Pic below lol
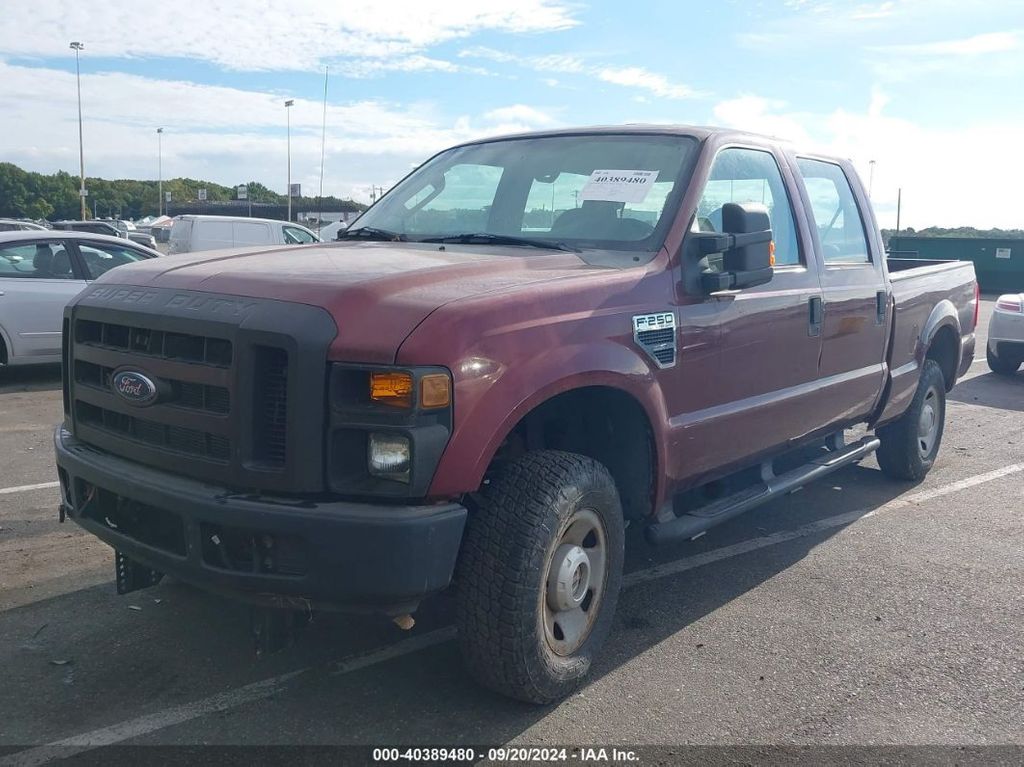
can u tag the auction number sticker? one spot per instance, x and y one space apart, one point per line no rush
619 185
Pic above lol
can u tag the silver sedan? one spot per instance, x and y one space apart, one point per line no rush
1006 334
40 271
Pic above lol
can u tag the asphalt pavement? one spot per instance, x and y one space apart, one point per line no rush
856 611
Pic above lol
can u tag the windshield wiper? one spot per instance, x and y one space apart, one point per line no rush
372 233
486 238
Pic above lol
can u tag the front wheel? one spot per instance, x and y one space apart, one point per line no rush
539 575
911 442
1005 364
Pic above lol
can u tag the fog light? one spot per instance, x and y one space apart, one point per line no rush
389 456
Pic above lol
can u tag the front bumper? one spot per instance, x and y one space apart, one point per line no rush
274 551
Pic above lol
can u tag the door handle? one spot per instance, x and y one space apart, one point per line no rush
816 316
881 302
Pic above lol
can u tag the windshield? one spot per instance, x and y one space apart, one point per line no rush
591 191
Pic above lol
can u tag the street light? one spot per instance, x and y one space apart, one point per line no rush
871 177
160 171
76 47
288 111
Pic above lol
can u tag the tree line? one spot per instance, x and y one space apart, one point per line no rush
24 194
958 231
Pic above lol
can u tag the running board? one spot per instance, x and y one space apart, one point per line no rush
695 522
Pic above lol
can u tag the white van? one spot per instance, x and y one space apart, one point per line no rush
192 233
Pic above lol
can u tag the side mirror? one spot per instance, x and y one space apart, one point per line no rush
746 248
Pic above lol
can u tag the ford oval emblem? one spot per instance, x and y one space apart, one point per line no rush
134 387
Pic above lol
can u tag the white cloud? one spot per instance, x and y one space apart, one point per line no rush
226 135
520 113
638 77
297 35
760 115
948 176
992 42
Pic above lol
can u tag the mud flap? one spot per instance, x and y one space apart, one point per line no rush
132 576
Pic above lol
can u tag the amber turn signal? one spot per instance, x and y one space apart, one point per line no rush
391 388
435 390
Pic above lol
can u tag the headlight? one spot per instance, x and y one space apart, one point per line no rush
389 456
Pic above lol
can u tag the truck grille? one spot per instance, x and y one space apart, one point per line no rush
156 343
194 396
271 405
176 438
236 380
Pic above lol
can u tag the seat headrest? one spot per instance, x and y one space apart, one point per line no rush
43 259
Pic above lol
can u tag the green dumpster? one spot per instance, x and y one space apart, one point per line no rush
999 264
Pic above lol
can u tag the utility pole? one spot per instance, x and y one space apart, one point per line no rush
899 202
76 47
160 171
288 111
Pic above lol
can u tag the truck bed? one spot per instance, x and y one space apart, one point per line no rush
922 292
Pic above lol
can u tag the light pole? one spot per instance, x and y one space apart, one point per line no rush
288 111
76 47
160 171
871 177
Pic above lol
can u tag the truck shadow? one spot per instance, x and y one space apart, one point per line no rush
991 390
189 644
30 378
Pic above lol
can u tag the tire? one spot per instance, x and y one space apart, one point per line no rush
910 443
517 542
1004 364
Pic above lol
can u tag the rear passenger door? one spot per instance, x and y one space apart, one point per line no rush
854 331
37 279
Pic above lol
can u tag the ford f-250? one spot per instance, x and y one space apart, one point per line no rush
526 344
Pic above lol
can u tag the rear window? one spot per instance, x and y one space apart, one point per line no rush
836 216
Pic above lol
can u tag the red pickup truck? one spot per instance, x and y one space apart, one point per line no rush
526 344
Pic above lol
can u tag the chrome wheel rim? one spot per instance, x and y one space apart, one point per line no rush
928 422
574 582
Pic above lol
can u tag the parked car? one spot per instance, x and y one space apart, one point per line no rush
40 271
193 233
142 238
473 386
1005 350
332 231
18 225
94 226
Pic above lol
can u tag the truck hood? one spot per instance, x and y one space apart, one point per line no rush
376 292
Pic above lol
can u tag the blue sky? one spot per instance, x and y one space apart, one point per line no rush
928 89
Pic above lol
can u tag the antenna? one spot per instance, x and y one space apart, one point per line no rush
323 142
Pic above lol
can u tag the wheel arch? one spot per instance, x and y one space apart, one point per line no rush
941 340
603 422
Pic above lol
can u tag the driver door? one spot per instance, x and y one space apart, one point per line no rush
759 395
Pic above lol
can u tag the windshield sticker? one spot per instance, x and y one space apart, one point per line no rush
619 185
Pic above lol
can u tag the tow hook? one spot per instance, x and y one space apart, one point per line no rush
404 622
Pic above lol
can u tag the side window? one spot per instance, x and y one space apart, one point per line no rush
42 261
296 236
460 202
744 176
100 259
251 233
839 224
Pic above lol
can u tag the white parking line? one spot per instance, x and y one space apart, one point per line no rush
26 488
143 725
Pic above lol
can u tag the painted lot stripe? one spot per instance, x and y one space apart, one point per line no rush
26 488
143 725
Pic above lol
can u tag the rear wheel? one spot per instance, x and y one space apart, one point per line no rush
1005 364
539 575
910 444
